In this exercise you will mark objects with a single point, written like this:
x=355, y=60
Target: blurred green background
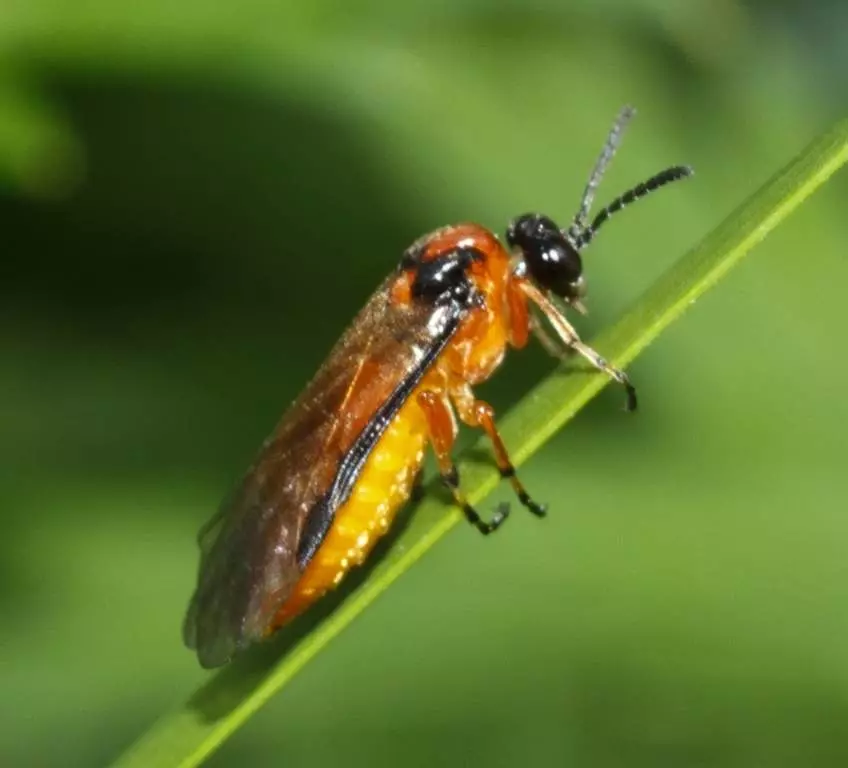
x=195, y=199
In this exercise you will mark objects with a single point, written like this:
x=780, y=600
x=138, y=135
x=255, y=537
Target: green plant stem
x=188, y=735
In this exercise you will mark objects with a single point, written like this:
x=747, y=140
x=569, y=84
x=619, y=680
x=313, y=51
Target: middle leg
x=478, y=413
x=441, y=426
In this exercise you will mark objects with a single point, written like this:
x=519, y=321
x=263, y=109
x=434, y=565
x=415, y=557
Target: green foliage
x=186, y=737
x=194, y=200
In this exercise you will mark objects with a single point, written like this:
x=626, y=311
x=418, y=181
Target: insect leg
x=550, y=346
x=416, y=493
x=602, y=365
x=569, y=337
x=478, y=413
x=442, y=430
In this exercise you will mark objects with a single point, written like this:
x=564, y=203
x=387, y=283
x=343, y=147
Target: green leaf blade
x=187, y=736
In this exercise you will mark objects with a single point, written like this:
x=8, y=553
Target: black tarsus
x=486, y=527
x=508, y=473
x=632, y=402
x=450, y=479
x=540, y=510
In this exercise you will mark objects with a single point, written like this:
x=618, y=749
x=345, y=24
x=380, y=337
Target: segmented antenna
x=580, y=221
x=580, y=232
x=584, y=236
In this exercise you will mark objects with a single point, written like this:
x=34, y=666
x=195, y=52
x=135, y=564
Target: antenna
x=580, y=233
x=612, y=143
x=584, y=237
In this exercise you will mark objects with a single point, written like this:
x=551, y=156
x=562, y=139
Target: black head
x=551, y=259
x=550, y=255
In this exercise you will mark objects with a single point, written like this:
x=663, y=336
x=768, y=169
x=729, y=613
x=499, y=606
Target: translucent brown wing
x=254, y=550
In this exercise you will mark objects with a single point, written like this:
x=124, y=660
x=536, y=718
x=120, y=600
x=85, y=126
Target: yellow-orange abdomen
x=382, y=488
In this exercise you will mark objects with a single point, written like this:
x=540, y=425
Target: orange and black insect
x=328, y=482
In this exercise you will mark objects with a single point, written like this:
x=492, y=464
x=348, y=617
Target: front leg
x=570, y=338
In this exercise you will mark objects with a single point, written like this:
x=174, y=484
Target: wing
x=254, y=551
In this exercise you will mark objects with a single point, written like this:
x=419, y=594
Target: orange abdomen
x=383, y=487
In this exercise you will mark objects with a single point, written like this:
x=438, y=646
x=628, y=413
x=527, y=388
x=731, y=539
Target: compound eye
x=571, y=265
x=555, y=266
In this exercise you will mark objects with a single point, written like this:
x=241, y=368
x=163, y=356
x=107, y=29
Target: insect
x=328, y=482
